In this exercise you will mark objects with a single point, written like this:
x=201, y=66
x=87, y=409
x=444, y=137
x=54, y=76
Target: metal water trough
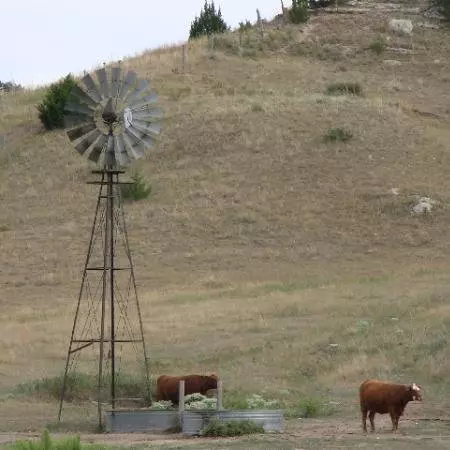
x=141, y=420
x=194, y=420
x=190, y=421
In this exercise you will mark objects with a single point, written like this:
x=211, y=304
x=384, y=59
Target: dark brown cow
x=382, y=397
x=167, y=386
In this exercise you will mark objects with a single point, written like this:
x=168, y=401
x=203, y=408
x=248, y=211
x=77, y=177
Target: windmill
x=111, y=120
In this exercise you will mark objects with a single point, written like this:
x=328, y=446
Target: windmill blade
x=145, y=128
x=92, y=88
x=102, y=78
x=72, y=119
x=78, y=94
x=76, y=133
x=128, y=82
x=130, y=145
x=140, y=89
x=147, y=116
x=141, y=140
x=120, y=151
x=97, y=148
x=80, y=109
x=87, y=141
x=116, y=81
x=143, y=102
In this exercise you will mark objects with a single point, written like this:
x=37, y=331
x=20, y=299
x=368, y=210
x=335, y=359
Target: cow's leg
x=372, y=423
x=394, y=419
x=364, y=412
x=397, y=417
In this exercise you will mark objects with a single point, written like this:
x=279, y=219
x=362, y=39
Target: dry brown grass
x=261, y=244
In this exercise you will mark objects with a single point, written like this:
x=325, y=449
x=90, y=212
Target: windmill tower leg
x=72, y=349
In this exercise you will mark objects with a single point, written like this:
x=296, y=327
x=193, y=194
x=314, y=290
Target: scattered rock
x=403, y=27
x=392, y=62
x=394, y=191
x=423, y=206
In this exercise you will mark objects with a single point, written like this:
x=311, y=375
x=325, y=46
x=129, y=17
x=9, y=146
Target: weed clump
x=378, y=46
x=337, y=134
x=344, y=88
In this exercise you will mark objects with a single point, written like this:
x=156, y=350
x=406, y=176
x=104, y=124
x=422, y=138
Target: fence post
x=181, y=402
x=260, y=24
x=219, y=395
x=184, y=59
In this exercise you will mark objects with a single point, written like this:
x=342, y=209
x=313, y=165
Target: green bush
x=299, y=11
x=337, y=134
x=378, y=45
x=51, y=109
x=230, y=428
x=137, y=190
x=209, y=22
x=344, y=88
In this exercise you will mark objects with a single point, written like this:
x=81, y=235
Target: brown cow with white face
x=167, y=387
x=382, y=397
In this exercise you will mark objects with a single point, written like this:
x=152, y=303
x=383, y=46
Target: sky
x=44, y=40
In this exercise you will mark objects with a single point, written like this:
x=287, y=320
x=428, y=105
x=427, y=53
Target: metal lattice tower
x=112, y=123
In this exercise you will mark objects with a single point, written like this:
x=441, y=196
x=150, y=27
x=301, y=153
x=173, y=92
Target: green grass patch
x=82, y=387
x=47, y=443
x=308, y=407
x=216, y=428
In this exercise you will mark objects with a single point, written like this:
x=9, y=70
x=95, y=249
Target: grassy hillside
x=265, y=249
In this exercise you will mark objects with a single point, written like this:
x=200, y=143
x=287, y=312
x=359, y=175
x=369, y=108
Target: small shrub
x=308, y=407
x=378, y=46
x=51, y=109
x=257, y=107
x=299, y=11
x=337, y=134
x=217, y=428
x=138, y=190
x=344, y=88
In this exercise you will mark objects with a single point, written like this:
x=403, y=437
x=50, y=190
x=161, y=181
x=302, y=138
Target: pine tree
x=209, y=22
